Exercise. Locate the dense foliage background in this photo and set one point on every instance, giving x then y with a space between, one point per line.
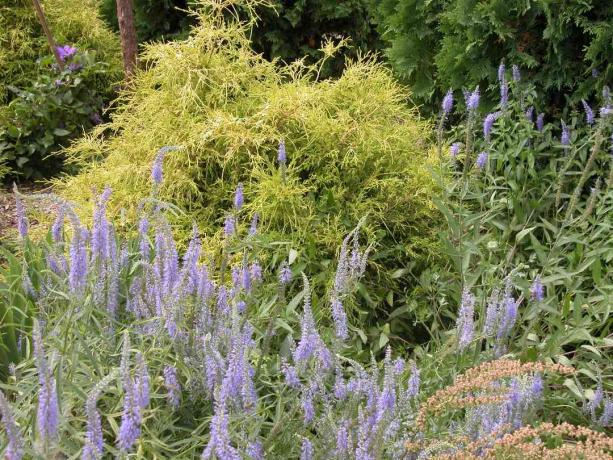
253 260
436 45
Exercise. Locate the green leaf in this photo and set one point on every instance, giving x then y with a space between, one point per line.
61 132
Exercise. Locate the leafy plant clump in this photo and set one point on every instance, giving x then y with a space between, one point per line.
75 22
436 45
315 157
57 107
136 351
529 208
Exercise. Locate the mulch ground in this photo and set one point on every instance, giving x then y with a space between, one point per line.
8 218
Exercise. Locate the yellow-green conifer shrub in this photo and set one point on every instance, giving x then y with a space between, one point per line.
354 147
74 22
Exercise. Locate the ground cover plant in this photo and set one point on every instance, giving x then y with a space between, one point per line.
122 347
315 156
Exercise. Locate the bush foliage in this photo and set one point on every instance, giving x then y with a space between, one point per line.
57 107
137 351
353 147
440 44
73 22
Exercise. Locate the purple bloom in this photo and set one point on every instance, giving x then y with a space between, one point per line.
255 451
565 139
472 102
238 197
488 123
219 442
65 52
285 274
536 389
540 122
256 272
447 104
504 94
607 414
465 322
308 409
173 387
537 290
143 228
47 417
529 114
481 161
157 172
281 154
141 383
306 452
414 381
22 221
291 376
96 118
229 227
14 449
340 318
253 229
516 73
342 439
508 315
101 229
605 112
589 113
58 226
455 149
340 387
94 441
501 69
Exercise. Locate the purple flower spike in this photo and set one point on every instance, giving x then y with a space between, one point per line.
157 172
414 381
229 227
465 322
504 94
540 122
481 161
255 451
530 114
173 387
285 274
65 52
306 452
22 221
565 139
282 154
488 123
516 73
589 113
253 229
14 449
238 197
472 102
447 104
142 381
455 149
340 318
537 290
501 70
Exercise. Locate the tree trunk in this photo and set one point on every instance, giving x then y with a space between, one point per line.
125 15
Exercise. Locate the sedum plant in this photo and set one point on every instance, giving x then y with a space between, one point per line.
137 351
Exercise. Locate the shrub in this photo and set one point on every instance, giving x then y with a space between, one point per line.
436 45
529 212
353 149
58 107
74 22
137 351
